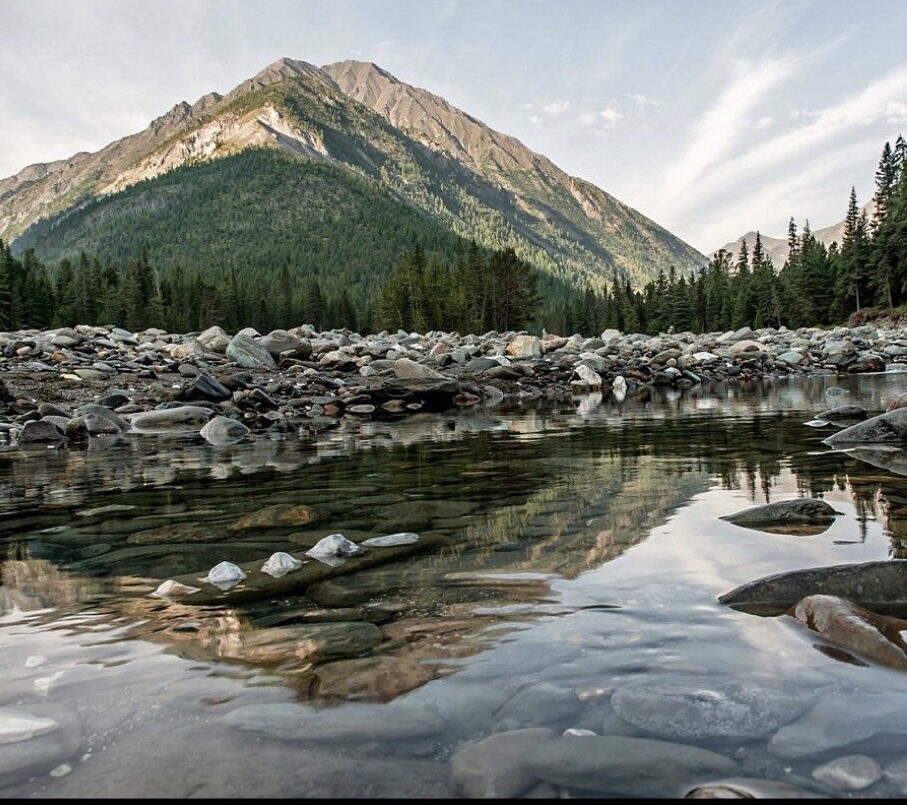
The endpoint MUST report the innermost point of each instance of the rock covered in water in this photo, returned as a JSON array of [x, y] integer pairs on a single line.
[[840, 720], [852, 627], [749, 788], [402, 538], [783, 516], [222, 430], [281, 563], [333, 550], [850, 773], [494, 767], [618, 765], [19, 725], [173, 589], [680, 708], [35, 738], [278, 515], [225, 575]]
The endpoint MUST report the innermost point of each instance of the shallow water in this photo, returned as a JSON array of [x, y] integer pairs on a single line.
[[571, 552]]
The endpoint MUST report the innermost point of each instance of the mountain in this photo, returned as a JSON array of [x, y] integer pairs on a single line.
[[777, 248], [345, 148]]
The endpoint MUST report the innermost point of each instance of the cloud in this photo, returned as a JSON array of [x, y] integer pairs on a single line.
[[611, 116], [764, 122], [556, 108], [715, 136], [641, 102]]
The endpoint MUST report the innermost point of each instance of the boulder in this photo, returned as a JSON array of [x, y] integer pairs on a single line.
[[525, 346], [406, 369], [248, 353], [223, 430], [214, 339], [41, 431], [205, 387], [494, 767], [888, 428], [878, 586], [787, 516], [169, 420]]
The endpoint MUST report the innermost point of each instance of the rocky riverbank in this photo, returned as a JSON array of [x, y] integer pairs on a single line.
[[64, 385]]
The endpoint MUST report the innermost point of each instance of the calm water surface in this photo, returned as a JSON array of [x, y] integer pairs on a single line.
[[570, 552]]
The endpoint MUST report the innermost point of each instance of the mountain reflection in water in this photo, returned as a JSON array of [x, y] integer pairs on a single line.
[[600, 517]]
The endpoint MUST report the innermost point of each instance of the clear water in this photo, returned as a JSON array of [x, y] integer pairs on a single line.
[[580, 550]]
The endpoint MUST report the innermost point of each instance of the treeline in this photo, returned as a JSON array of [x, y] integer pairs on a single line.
[[477, 291], [817, 285]]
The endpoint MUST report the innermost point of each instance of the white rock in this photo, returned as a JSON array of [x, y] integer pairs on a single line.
[[61, 771], [577, 732], [403, 538], [225, 575], [173, 589], [16, 725], [333, 550], [281, 563], [619, 388], [35, 660], [588, 378]]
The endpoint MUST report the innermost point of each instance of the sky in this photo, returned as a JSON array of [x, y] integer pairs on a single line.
[[712, 117]]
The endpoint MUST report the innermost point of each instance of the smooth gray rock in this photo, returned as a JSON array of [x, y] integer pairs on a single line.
[[839, 721], [248, 353], [35, 738], [215, 339], [877, 586], [41, 431], [888, 428], [494, 768], [749, 788], [624, 766], [349, 722], [844, 413], [406, 369], [181, 418], [101, 420], [778, 517], [223, 430], [850, 773], [682, 708]]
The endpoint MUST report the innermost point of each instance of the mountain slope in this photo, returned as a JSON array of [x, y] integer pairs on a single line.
[[406, 144]]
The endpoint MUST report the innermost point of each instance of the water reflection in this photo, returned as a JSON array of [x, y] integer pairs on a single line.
[[535, 512]]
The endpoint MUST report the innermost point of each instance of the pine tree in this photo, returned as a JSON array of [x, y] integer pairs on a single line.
[[792, 243], [885, 180]]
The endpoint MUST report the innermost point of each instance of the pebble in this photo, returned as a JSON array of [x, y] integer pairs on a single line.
[[850, 773]]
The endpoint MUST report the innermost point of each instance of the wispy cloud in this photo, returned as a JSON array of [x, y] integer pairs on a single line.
[[716, 135], [642, 102]]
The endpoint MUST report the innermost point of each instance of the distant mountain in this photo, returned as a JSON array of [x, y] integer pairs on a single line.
[[404, 165], [777, 248]]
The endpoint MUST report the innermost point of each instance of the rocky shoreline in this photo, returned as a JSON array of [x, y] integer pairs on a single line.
[[64, 385]]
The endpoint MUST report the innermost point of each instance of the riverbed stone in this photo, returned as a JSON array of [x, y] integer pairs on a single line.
[[41, 431], [223, 430], [214, 339], [205, 387], [849, 773], [624, 766], [349, 722], [852, 627], [890, 427], [407, 369], [494, 767], [839, 720], [178, 419], [785, 516], [682, 708], [525, 346], [248, 353], [278, 515]]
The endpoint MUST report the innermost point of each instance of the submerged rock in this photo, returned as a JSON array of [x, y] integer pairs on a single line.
[[878, 586], [749, 788], [18, 725], [686, 709], [787, 517], [225, 575], [280, 515], [281, 563], [35, 738], [494, 768], [349, 722], [851, 627], [851, 773], [624, 766], [402, 538], [223, 430], [840, 720], [890, 427]]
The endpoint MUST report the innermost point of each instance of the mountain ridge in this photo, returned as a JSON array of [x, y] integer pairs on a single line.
[[418, 147]]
